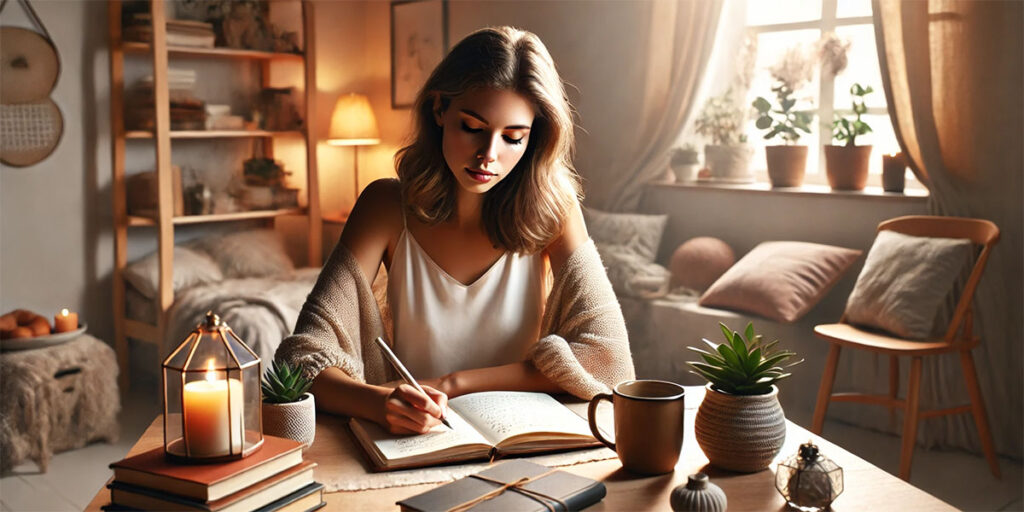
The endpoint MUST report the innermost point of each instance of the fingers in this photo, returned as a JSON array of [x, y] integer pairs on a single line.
[[418, 400], [439, 398], [405, 417]]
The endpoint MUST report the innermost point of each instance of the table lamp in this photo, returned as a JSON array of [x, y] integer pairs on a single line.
[[211, 386], [353, 124]]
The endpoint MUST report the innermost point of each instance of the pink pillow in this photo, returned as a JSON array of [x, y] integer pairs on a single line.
[[781, 281]]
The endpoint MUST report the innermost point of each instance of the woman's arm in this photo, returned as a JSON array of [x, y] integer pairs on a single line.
[[521, 376], [402, 409]]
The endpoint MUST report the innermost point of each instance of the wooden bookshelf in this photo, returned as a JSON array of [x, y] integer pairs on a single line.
[[216, 53]]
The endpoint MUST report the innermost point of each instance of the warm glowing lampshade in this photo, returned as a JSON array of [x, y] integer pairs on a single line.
[[353, 123]]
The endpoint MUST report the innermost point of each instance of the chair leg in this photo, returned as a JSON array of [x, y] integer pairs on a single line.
[[910, 418], [825, 389], [978, 409], [894, 386]]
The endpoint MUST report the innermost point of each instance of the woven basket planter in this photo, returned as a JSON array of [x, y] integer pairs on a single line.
[[740, 433], [293, 420]]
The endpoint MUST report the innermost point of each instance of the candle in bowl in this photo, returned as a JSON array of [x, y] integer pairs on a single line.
[[65, 321], [213, 415]]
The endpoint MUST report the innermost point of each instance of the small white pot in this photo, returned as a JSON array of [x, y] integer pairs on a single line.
[[293, 420]]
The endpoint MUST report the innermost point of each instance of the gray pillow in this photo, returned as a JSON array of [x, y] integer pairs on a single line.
[[190, 268], [904, 282], [625, 234], [251, 253]]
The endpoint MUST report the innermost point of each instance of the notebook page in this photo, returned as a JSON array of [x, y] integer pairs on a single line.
[[393, 446], [499, 415]]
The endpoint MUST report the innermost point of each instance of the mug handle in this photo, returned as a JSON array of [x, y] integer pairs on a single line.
[[591, 410]]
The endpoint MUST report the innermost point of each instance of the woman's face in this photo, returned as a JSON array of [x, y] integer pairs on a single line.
[[485, 133]]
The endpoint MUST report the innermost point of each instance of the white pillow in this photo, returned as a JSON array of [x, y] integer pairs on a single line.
[[625, 234], [251, 253], [904, 282], [190, 268]]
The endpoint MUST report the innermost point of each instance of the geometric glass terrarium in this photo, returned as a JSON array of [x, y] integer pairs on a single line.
[[808, 480], [211, 385]]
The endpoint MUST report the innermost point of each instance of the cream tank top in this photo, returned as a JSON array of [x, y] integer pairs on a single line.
[[442, 325]]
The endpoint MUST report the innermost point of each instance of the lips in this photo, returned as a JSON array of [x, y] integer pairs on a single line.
[[480, 175]]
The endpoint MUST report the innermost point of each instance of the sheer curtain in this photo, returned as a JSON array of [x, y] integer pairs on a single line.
[[953, 79], [680, 39]]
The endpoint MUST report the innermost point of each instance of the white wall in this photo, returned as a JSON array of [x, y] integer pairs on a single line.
[[56, 247]]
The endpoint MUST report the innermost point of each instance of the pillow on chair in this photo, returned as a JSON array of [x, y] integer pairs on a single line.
[[190, 268], [250, 253], [781, 281], [904, 282]]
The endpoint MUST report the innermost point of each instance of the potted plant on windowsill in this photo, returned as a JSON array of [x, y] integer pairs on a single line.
[[288, 407], [685, 163], [786, 163], [740, 425], [847, 165], [728, 155]]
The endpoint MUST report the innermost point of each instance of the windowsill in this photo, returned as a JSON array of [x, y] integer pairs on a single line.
[[870, 192]]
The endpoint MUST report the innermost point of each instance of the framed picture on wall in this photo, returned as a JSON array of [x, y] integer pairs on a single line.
[[419, 40]]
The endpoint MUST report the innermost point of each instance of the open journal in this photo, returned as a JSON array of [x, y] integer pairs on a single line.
[[492, 423]]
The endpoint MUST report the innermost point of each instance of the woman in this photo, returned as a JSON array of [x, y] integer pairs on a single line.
[[486, 202]]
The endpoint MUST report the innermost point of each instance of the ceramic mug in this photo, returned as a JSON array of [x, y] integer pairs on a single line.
[[648, 424]]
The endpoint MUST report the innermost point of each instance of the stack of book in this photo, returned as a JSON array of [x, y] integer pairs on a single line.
[[273, 478], [194, 34]]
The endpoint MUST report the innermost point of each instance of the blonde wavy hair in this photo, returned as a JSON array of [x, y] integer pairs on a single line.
[[525, 211]]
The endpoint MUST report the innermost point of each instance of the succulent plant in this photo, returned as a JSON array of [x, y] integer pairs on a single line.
[[284, 384], [743, 365]]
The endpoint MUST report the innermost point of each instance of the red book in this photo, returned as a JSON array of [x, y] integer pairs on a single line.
[[208, 482]]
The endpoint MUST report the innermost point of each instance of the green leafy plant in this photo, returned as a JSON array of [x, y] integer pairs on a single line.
[[283, 384], [743, 365], [784, 120], [848, 128], [721, 120]]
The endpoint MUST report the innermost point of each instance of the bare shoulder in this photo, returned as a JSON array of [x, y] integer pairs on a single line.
[[374, 222], [574, 234]]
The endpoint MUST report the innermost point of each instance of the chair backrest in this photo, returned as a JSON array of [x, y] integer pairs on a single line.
[[980, 231]]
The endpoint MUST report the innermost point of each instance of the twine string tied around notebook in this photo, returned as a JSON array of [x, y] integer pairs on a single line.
[[516, 486]]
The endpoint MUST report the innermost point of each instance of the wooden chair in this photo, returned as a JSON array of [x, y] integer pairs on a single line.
[[958, 338]]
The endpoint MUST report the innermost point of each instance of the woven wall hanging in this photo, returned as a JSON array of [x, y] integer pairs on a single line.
[[30, 122]]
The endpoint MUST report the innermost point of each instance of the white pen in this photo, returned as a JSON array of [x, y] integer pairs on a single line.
[[406, 376]]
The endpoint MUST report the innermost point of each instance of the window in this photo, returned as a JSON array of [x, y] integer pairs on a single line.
[[778, 25]]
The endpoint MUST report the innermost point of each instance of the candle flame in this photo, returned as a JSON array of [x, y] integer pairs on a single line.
[[210, 375], [64, 312]]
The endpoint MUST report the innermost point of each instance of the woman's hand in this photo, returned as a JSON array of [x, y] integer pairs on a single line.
[[407, 411]]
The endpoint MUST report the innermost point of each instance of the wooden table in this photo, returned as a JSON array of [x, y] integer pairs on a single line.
[[866, 486]]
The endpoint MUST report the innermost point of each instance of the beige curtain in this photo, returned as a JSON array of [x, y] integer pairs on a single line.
[[681, 37], [953, 79]]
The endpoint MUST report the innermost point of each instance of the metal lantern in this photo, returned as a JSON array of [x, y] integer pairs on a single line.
[[211, 388], [808, 480]]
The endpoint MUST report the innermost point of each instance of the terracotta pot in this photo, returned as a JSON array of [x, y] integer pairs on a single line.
[[729, 164], [847, 166], [786, 165], [292, 420], [740, 433]]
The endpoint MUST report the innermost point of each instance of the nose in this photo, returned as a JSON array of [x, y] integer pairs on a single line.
[[489, 152]]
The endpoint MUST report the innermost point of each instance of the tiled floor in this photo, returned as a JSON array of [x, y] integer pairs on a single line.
[[958, 478]]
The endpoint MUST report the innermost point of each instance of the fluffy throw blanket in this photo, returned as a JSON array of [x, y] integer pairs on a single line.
[[584, 348], [261, 311]]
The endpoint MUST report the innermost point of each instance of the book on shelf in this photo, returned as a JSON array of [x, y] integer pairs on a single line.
[[484, 425], [547, 490], [207, 482], [272, 493]]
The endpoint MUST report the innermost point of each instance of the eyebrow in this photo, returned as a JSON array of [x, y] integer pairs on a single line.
[[482, 120]]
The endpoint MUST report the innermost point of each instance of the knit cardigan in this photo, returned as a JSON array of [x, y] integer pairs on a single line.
[[584, 347]]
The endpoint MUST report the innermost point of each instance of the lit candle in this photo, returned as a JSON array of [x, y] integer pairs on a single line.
[[213, 415], [65, 321]]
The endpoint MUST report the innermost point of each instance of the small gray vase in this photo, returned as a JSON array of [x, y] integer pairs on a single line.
[[698, 494], [292, 420]]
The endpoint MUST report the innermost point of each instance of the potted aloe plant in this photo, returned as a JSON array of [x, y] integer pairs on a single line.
[[288, 407], [847, 165], [787, 163], [740, 425], [728, 155]]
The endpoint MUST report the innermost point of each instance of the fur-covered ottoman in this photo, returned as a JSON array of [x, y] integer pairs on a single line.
[[56, 398]]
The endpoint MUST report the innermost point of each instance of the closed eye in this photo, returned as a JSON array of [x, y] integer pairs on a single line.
[[466, 128], [510, 140]]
